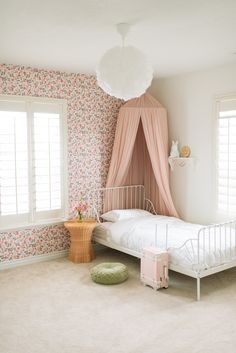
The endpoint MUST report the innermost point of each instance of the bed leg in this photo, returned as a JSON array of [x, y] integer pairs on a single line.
[[198, 289]]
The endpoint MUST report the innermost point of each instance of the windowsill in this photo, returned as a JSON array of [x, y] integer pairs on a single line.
[[33, 225]]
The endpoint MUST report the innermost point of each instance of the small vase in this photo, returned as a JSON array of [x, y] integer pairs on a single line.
[[80, 217]]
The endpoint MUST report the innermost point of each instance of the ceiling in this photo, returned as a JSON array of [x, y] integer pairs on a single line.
[[178, 36]]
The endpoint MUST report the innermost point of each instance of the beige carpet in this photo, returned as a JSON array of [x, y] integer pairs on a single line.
[[53, 307]]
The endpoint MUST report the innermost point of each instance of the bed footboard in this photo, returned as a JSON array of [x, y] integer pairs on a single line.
[[217, 243], [213, 246], [212, 251]]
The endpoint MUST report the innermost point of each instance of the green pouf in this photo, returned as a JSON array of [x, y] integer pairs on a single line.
[[109, 273]]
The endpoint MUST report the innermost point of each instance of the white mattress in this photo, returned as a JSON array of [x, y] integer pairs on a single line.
[[137, 233]]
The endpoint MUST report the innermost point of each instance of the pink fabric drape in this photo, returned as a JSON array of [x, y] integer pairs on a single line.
[[140, 151], [126, 131], [155, 131]]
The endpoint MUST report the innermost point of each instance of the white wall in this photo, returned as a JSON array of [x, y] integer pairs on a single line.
[[190, 101]]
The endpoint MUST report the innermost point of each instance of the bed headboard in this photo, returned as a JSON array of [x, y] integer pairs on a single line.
[[119, 197]]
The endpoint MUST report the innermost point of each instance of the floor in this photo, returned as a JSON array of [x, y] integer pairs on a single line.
[[54, 307]]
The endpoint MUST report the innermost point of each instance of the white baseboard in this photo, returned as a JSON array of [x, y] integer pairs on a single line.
[[33, 259], [40, 258]]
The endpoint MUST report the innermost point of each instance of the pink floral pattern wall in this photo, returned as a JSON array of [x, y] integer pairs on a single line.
[[91, 120]]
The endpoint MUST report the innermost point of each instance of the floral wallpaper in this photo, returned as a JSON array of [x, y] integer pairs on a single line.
[[91, 123]]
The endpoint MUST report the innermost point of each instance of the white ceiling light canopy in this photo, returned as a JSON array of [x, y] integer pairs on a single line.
[[124, 72]]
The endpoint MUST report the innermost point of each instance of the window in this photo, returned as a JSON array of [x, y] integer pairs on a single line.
[[32, 161], [227, 156]]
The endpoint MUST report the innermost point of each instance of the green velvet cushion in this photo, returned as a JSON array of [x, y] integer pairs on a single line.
[[109, 273]]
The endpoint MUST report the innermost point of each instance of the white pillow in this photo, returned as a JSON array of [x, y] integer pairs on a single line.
[[119, 215]]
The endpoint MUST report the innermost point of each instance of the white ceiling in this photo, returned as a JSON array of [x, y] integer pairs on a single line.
[[71, 35]]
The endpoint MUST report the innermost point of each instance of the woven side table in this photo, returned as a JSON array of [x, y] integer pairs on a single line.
[[81, 249]]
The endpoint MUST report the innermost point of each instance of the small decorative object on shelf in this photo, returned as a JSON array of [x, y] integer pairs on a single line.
[[174, 152], [81, 208], [185, 152]]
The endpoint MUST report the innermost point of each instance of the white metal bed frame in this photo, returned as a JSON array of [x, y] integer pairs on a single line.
[[208, 237]]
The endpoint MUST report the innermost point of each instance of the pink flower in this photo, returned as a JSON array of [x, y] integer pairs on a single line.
[[82, 206]]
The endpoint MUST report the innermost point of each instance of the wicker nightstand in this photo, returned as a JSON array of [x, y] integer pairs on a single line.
[[81, 249]]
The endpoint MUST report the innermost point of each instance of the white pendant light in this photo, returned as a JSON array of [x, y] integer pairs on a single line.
[[124, 72]]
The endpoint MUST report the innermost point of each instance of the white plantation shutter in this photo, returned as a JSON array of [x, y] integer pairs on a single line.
[[227, 160], [32, 161], [47, 161], [14, 197]]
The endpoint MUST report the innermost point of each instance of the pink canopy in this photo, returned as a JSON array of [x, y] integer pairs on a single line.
[[140, 152]]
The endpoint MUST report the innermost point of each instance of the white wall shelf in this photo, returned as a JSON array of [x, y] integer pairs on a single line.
[[180, 162]]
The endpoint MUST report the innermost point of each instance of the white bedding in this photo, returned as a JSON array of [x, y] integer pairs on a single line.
[[137, 233]]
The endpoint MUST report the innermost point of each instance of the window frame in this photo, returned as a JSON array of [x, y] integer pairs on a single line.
[[221, 215], [62, 108]]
